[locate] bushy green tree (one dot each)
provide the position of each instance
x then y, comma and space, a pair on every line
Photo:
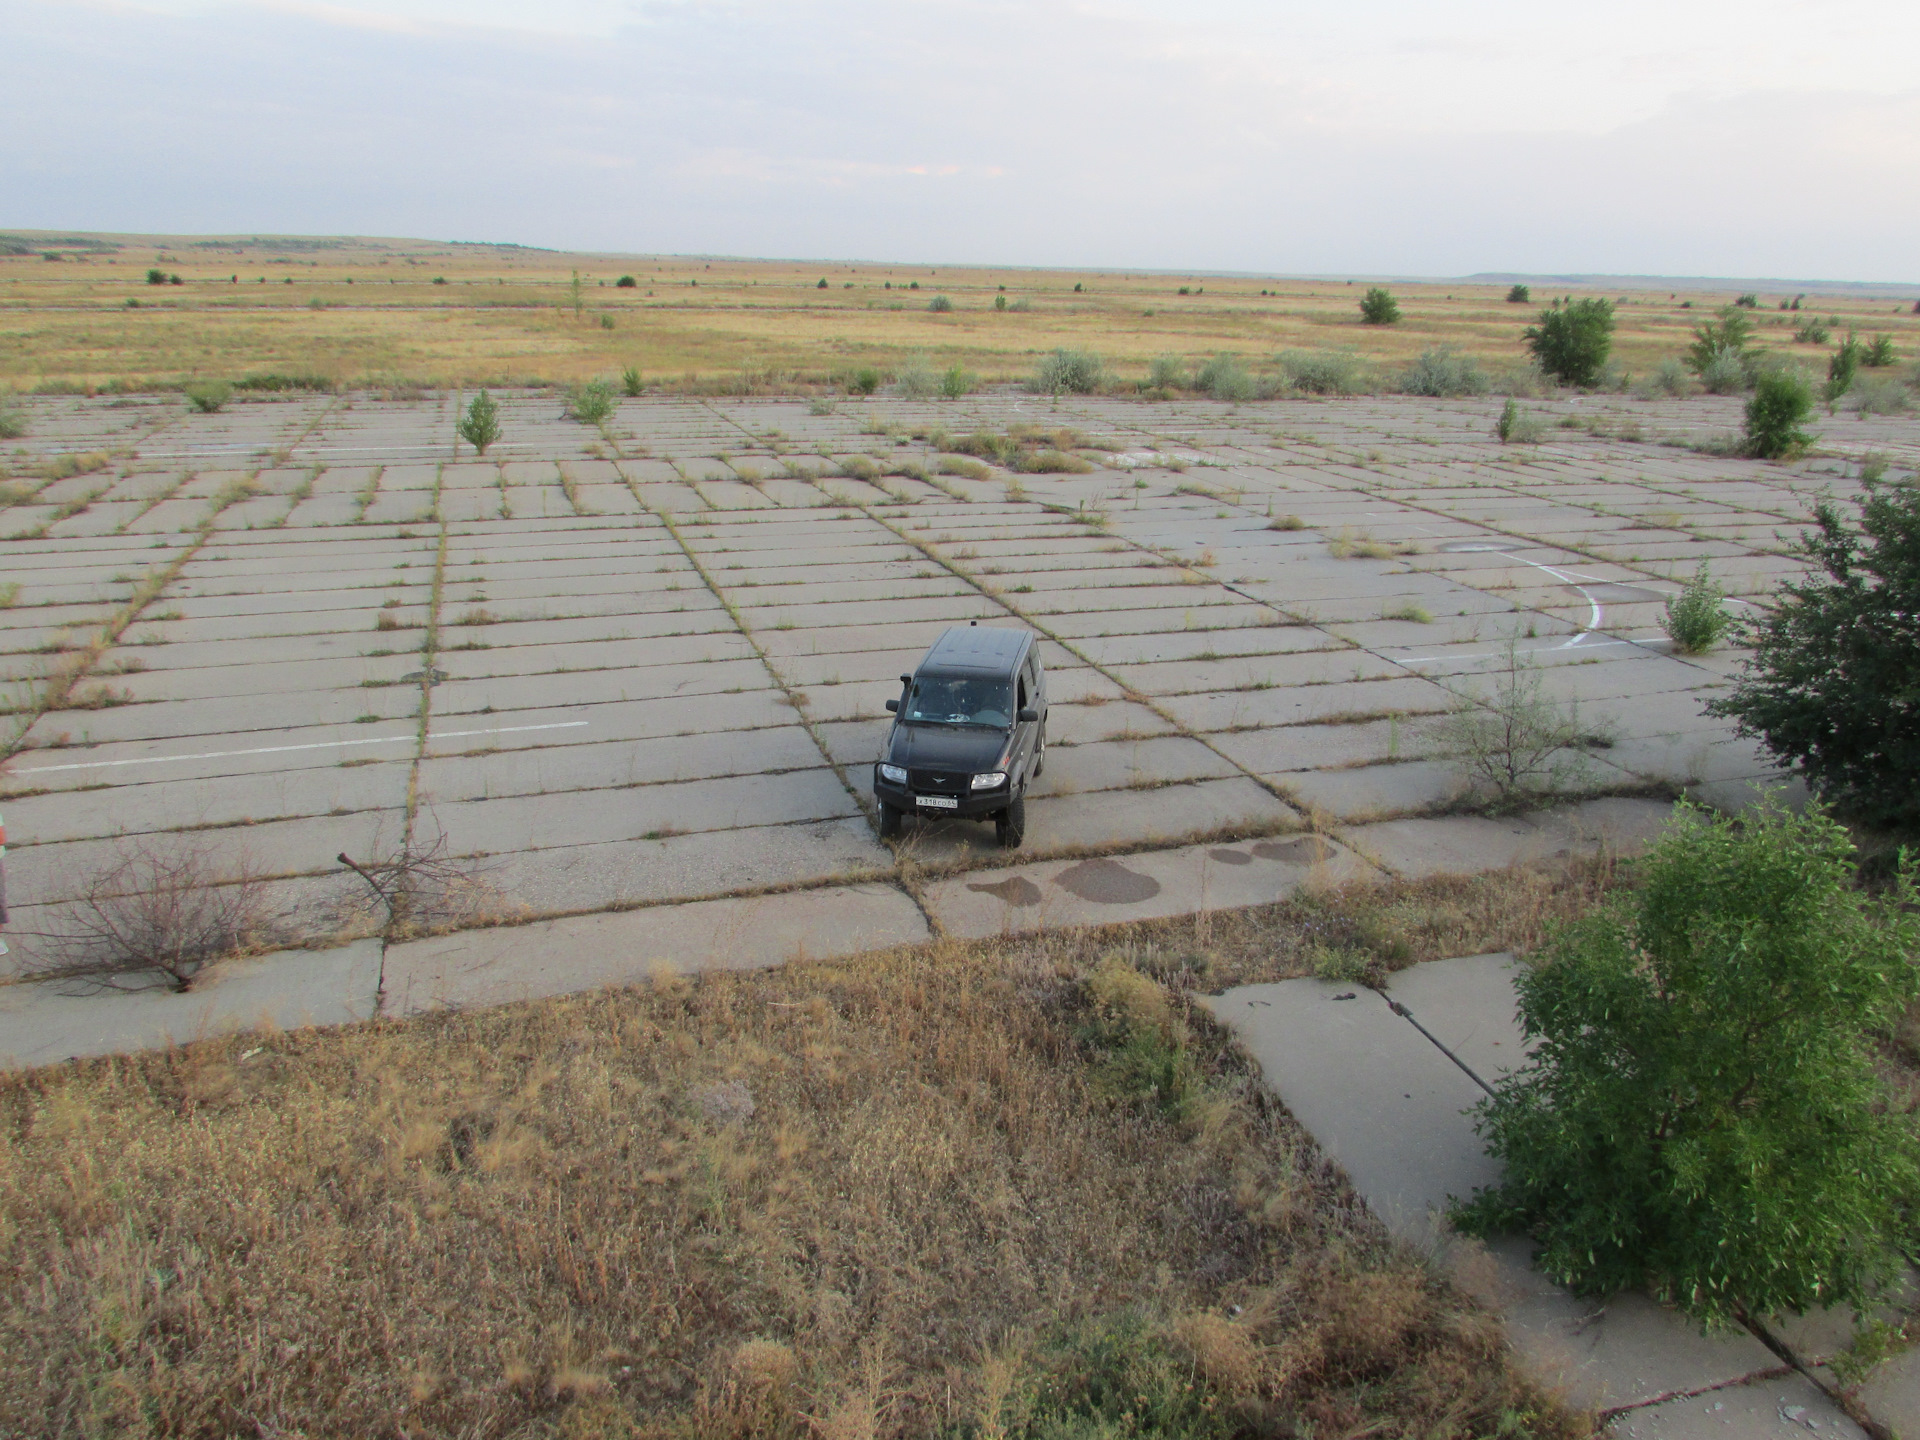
1701, 1115
480, 425
1519, 295
1833, 684
1572, 340
1879, 353
1782, 401
1378, 307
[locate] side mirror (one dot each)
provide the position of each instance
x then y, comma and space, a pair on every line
906, 679
1028, 716
893, 706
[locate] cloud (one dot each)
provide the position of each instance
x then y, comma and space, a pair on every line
1044, 132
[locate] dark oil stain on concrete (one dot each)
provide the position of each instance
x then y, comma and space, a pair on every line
1016, 890
1302, 851
1230, 857
1107, 882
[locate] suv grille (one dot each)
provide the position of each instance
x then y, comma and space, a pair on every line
937, 782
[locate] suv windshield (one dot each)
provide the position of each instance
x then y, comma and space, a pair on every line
959, 700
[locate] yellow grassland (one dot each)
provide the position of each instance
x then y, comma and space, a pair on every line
367, 312
899, 1195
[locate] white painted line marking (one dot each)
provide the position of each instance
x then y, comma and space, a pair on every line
319, 745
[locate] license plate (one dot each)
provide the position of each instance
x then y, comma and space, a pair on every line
937, 802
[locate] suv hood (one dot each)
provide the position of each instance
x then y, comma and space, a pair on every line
972, 749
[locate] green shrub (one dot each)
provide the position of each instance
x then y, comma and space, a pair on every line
1322, 372
480, 425
1830, 685
632, 382
823, 283
1076, 372
1571, 341
1519, 295
1696, 620
864, 381
207, 396
1842, 366
590, 403
1439, 371
1730, 333
1811, 332
626, 282
1749, 301
1378, 307
1725, 372
955, 383
1224, 378
274, 382
1167, 372
999, 302
156, 277
940, 305
1782, 401
1701, 1116
917, 379
1669, 377
1879, 353
1882, 395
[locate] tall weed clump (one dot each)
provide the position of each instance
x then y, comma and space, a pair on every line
1074, 372
1702, 1114
1829, 687
1168, 372
1697, 618
1514, 743
917, 378
13, 421
590, 403
1842, 366
1441, 372
1572, 340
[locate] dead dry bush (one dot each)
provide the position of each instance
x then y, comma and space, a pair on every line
933, 1218
164, 909
420, 888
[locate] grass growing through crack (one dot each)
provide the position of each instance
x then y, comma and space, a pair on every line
1019, 1188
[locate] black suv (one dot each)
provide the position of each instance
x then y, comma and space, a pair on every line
971, 732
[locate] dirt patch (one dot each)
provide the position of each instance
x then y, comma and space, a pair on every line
1230, 857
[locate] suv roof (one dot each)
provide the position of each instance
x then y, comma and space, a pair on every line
991, 649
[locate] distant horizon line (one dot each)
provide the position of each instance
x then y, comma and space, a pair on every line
58, 238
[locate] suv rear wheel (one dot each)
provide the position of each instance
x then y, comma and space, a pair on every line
1010, 825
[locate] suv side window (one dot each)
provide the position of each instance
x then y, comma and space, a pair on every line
1022, 702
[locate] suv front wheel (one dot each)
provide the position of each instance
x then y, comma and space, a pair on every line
1010, 825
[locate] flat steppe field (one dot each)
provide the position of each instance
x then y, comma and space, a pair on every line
360, 312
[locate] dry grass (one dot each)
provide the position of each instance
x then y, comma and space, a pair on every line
748, 327
910, 1193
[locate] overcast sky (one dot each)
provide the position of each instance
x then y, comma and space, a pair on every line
1416, 137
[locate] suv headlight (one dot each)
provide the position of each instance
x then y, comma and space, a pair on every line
893, 774
992, 781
